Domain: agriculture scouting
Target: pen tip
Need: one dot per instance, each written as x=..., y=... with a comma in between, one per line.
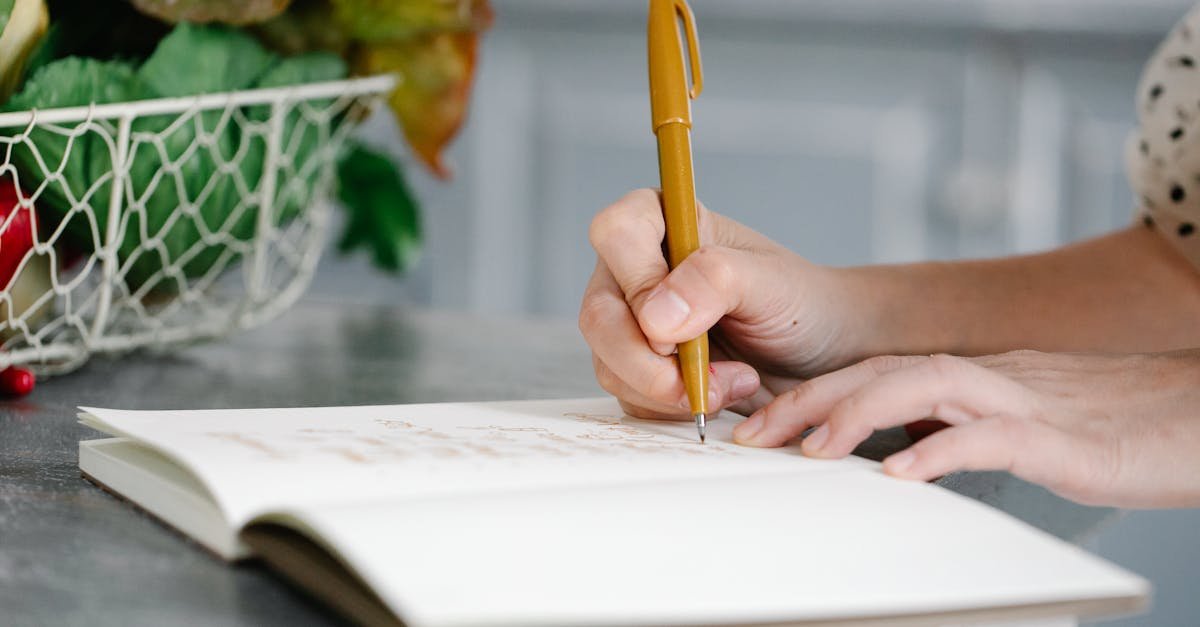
x=701, y=424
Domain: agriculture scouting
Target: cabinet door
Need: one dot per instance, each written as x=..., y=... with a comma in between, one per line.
x=827, y=144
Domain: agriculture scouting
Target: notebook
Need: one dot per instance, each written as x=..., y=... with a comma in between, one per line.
x=568, y=512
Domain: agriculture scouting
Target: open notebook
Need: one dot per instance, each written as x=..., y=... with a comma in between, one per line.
x=570, y=513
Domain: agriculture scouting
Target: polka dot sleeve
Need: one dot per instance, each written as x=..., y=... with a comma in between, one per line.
x=1163, y=156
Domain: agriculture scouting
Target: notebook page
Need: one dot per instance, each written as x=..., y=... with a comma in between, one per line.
x=258, y=460
x=749, y=549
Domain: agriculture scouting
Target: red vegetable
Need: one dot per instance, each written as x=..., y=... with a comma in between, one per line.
x=16, y=381
x=16, y=235
x=18, y=227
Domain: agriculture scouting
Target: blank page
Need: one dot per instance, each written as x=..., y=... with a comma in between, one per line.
x=811, y=546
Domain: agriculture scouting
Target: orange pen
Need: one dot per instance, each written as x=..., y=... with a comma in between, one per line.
x=671, y=111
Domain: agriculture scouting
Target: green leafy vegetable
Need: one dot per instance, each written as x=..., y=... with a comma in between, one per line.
x=204, y=59
x=301, y=136
x=191, y=199
x=383, y=217
x=191, y=60
x=83, y=163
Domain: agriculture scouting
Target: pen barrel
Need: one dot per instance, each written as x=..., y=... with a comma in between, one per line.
x=682, y=218
x=678, y=192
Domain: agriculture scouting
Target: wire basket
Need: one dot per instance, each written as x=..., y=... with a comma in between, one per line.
x=161, y=222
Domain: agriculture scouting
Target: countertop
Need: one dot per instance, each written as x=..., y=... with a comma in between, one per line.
x=71, y=554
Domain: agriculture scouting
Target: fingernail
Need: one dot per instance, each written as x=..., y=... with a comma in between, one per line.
x=750, y=428
x=816, y=439
x=665, y=310
x=899, y=462
x=685, y=402
x=744, y=385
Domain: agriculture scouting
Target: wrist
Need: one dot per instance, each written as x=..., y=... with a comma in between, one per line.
x=885, y=313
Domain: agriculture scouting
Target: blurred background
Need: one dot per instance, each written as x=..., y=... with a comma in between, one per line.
x=853, y=131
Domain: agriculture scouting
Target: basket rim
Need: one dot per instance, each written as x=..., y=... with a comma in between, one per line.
x=377, y=84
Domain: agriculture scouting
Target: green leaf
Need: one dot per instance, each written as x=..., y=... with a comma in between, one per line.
x=383, y=218
x=82, y=161
x=203, y=60
x=190, y=60
x=313, y=67
x=301, y=136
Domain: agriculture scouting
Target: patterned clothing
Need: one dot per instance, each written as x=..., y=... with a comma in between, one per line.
x=1163, y=156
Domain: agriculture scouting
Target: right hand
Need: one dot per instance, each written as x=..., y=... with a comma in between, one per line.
x=775, y=318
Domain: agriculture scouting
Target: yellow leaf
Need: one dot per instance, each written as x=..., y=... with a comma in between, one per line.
x=435, y=71
x=392, y=20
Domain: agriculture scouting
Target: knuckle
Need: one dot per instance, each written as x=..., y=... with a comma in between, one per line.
x=611, y=225
x=633, y=210
x=947, y=366
x=608, y=381
x=1016, y=439
x=846, y=411
x=715, y=266
x=662, y=384
x=594, y=313
x=796, y=396
x=882, y=364
x=1093, y=476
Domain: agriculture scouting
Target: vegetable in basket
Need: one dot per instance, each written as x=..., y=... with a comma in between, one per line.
x=24, y=24
x=25, y=283
x=190, y=199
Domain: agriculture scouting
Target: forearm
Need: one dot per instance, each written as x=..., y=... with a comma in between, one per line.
x=1126, y=292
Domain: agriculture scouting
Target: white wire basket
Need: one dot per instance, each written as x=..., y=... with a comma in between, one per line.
x=161, y=222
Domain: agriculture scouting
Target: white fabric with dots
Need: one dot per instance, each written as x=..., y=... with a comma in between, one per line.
x=1163, y=155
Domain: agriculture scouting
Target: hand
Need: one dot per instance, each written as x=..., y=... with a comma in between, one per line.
x=1101, y=430
x=777, y=316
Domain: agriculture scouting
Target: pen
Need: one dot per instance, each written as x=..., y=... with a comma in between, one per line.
x=671, y=113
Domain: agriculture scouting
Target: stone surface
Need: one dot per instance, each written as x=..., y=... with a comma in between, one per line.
x=71, y=554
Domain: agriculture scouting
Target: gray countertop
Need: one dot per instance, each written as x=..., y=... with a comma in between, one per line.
x=71, y=554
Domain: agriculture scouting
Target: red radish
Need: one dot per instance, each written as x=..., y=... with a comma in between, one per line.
x=16, y=233
x=18, y=228
x=16, y=381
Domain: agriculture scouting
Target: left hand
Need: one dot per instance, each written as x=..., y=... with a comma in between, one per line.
x=1121, y=430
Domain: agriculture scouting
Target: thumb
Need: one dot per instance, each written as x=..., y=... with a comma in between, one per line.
x=710, y=284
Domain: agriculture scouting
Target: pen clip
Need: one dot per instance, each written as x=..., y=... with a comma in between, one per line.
x=693, y=44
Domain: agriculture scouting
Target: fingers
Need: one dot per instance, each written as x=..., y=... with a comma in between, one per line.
x=948, y=388
x=1030, y=449
x=987, y=444
x=628, y=238
x=627, y=368
x=806, y=405
x=710, y=284
x=609, y=328
x=721, y=278
x=731, y=383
